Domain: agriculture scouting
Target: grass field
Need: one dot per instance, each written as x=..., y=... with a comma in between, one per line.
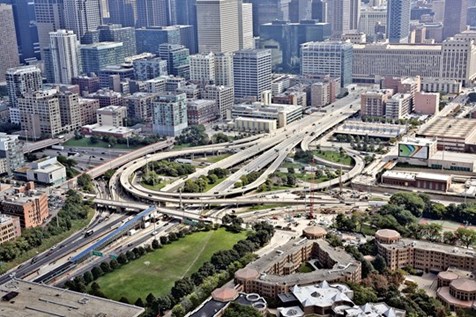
x=86, y=142
x=154, y=187
x=156, y=272
x=216, y=158
x=335, y=157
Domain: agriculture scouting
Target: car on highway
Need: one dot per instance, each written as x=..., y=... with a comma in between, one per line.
x=153, y=233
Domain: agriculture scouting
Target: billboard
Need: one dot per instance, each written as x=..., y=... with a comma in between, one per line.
x=413, y=151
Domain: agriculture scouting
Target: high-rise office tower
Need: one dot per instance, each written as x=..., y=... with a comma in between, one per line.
x=321, y=59
x=285, y=39
x=152, y=13
x=178, y=59
x=299, y=10
x=455, y=17
x=319, y=10
x=64, y=50
x=122, y=12
x=117, y=33
x=224, y=69
x=8, y=40
x=26, y=31
x=251, y=73
x=186, y=14
x=219, y=25
x=398, y=20
x=246, y=35
x=267, y=11
x=40, y=114
x=49, y=17
x=95, y=57
x=82, y=16
x=343, y=15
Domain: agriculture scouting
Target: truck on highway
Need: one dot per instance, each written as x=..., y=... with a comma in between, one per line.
x=131, y=232
x=57, y=147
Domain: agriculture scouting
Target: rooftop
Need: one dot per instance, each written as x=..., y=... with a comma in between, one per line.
x=454, y=157
x=43, y=300
x=449, y=128
x=322, y=295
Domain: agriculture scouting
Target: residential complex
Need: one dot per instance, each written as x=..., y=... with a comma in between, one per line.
x=276, y=272
x=11, y=153
x=169, y=114
x=9, y=228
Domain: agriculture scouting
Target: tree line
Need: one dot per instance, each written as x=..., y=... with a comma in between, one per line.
x=73, y=210
x=200, y=184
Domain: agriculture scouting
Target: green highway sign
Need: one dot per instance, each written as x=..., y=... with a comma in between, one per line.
x=97, y=253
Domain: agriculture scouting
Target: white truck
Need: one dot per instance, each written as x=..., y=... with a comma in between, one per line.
x=57, y=147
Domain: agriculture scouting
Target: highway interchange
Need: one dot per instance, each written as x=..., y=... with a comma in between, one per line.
x=264, y=153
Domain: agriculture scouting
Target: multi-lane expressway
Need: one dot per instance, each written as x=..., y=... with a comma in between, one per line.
x=265, y=154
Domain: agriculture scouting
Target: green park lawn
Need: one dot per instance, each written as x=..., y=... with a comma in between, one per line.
x=157, y=271
x=216, y=158
x=335, y=157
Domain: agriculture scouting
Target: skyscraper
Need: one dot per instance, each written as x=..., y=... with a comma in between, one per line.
x=285, y=39
x=343, y=15
x=152, y=13
x=321, y=59
x=186, y=14
x=8, y=40
x=81, y=16
x=95, y=57
x=219, y=25
x=267, y=11
x=26, y=31
x=299, y=10
x=122, y=12
x=224, y=69
x=202, y=68
x=398, y=20
x=64, y=50
x=178, y=59
x=246, y=35
x=49, y=17
x=117, y=33
x=251, y=73
x=455, y=17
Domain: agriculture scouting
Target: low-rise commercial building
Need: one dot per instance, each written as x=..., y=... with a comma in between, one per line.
x=26, y=203
x=427, y=181
x=9, y=228
x=108, y=130
x=254, y=125
x=371, y=129
x=453, y=134
x=283, y=114
x=448, y=86
x=46, y=171
x=276, y=272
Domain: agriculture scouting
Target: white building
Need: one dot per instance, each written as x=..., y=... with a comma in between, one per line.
x=47, y=171
x=113, y=116
x=224, y=69
x=202, y=68
x=255, y=125
x=282, y=114
x=398, y=106
x=64, y=50
x=223, y=96
x=219, y=25
x=169, y=115
x=11, y=152
x=252, y=73
x=246, y=37
x=370, y=17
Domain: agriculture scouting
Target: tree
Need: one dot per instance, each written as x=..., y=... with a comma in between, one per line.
x=237, y=310
x=181, y=288
x=150, y=299
x=178, y=311
x=291, y=180
x=379, y=264
x=139, y=302
x=466, y=236
x=114, y=264
x=155, y=244
x=410, y=201
x=291, y=170
x=449, y=237
x=124, y=300
x=85, y=182
x=88, y=277
x=122, y=259
x=163, y=240
x=363, y=295
x=344, y=223
x=105, y=267
x=97, y=272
